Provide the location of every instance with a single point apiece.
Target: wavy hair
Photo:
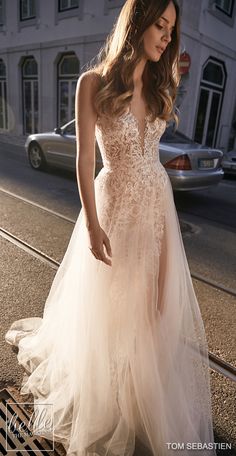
(121, 52)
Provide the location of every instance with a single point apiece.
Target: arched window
(3, 97)
(30, 95)
(210, 101)
(68, 72)
(213, 73)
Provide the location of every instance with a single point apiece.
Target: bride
(119, 357)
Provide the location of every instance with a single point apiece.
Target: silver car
(189, 165)
(229, 162)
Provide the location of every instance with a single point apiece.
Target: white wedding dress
(121, 351)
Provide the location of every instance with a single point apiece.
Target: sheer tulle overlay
(121, 351)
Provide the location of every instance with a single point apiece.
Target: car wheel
(36, 156)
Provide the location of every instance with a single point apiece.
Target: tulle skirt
(120, 353)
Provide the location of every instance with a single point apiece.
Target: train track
(216, 363)
(26, 246)
(39, 206)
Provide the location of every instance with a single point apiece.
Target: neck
(138, 74)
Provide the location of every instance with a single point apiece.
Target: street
(40, 208)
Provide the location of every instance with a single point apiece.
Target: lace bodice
(132, 177)
(122, 147)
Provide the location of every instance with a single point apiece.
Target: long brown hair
(121, 52)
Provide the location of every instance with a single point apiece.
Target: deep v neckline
(141, 133)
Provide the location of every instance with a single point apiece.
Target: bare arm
(85, 120)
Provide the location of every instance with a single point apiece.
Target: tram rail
(216, 363)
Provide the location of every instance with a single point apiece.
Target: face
(157, 37)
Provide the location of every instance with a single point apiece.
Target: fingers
(108, 246)
(99, 255)
(98, 250)
(105, 259)
(94, 252)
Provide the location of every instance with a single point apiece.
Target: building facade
(45, 45)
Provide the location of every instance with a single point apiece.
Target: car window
(70, 129)
(170, 136)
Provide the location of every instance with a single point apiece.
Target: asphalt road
(208, 219)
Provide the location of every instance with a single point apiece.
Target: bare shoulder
(89, 80)
(87, 87)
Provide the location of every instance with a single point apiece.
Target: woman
(121, 351)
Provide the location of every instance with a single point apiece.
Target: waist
(137, 168)
(133, 176)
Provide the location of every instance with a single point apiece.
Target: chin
(154, 59)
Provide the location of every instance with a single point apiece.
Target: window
(3, 97)
(210, 100)
(224, 10)
(27, 10)
(68, 8)
(64, 5)
(213, 73)
(70, 129)
(68, 73)
(30, 95)
(225, 6)
(2, 12)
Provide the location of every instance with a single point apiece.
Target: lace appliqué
(132, 179)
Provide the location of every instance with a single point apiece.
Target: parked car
(229, 162)
(189, 165)
(55, 148)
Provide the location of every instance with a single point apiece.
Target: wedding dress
(121, 350)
